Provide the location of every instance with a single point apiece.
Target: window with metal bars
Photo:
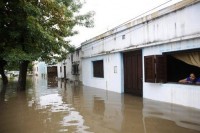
(98, 70)
(75, 70)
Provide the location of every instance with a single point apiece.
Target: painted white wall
(58, 69)
(77, 55)
(39, 68)
(187, 95)
(178, 30)
(70, 59)
(68, 64)
(111, 81)
(175, 25)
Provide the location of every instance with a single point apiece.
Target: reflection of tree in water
(17, 117)
(2, 93)
(33, 112)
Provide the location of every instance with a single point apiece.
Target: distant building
(39, 68)
(70, 68)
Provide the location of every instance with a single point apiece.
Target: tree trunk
(22, 75)
(4, 77)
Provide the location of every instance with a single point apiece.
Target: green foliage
(12, 66)
(33, 29)
(30, 67)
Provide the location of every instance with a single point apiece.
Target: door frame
(140, 80)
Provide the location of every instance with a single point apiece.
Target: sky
(111, 13)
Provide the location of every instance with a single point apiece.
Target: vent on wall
(123, 37)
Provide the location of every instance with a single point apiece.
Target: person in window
(198, 81)
(191, 79)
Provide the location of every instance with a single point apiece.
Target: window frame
(75, 69)
(98, 68)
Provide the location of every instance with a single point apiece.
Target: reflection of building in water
(132, 115)
(82, 109)
(110, 112)
(102, 110)
(39, 83)
(99, 106)
(157, 113)
(64, 114)
(52, 82)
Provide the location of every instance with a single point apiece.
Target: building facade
(71, 68)
(39, 68)
(142, 57)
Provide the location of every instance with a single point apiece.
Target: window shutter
(149, 65)
(161, 69)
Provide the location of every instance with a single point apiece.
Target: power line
(134, 18)
(142, 14)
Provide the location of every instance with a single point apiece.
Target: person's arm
(183, 81)
(198, 81)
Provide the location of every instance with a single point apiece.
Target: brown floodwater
(50, 106)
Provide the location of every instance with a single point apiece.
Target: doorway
(133, 72)
(65, 73)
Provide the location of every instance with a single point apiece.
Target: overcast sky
(111, 13)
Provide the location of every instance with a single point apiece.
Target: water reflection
(183, 117)
(81, 109)
(2, 93)
(52, 82)
(99, 106)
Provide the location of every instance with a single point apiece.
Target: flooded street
(53, 107)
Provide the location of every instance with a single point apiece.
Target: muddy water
(53, 107)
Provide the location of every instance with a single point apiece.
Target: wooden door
(52, 71)
(52, 74)
(133, 72)
(65, 72)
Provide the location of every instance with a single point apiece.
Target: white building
(70, 68)
(143, 56)
(39, 68)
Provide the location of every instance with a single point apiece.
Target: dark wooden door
(65, 72)
(52, 71)
(52, 74)
(133, 72)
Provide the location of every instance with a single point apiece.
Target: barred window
(75, 70)
(98, 70)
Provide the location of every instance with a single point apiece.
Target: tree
(34, 29)
(4, 77)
